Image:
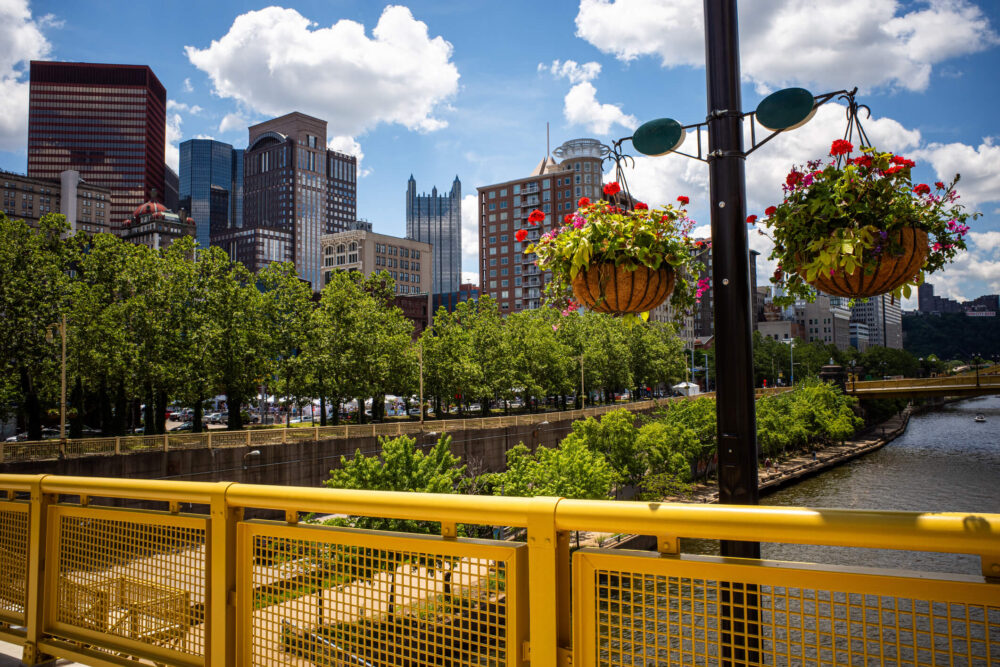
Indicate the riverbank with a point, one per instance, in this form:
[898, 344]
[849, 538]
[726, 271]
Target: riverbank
[802, 465]
[789, 471]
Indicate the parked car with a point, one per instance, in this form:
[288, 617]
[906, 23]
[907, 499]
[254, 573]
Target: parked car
[187, 426]
[214, 418]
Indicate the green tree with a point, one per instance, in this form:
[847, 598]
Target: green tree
[401, 466]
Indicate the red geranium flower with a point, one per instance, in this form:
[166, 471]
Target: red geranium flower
[863, 160]
[639, 206]
[683, 200]
[770, 210]
[536, 216]
[902, 161]
[922, 189]
[751, 219]
[939, 185]
[895, 169]
[521, 234]
[793, 178]
[841, 147]
[583, 202]
[612, 188]
[568, 218]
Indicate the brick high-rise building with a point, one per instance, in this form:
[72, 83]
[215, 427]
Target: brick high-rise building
[294, 191]
[505, 272]
[107, 122]
[437, 219]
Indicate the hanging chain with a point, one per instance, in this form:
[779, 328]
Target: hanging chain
[624, 198]
[854, 122]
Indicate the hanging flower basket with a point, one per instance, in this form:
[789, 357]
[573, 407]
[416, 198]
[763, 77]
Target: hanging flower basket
[607, 288]
[858, 227]
[889, 272]
[617, 260]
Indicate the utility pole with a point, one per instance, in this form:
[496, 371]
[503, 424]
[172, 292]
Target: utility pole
[420, 357]
[61, 326]
[583, 396]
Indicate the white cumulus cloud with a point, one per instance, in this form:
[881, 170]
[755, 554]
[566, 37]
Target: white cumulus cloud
[570, 69]
[174, 135]
[275, 60]
[21, 40]
[174, 105]
[581, 107]
[349, 145]
[188, 88]
[233, 122]
[978, 166]
[869, 43]
[470, 238]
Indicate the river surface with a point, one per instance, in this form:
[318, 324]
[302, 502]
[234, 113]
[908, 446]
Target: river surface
[945, 462]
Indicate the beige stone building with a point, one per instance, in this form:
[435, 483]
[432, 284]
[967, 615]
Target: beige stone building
[87, 206]
[406, 260]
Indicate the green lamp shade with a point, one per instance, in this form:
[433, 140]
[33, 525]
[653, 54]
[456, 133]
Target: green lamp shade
[786, 109]
[658, 137]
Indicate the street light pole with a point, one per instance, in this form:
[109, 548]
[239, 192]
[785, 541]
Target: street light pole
[736, 421]
[61, 326]
[420, 357]
[583, 396]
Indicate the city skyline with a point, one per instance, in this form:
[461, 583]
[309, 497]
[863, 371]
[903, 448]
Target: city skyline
[444, 100]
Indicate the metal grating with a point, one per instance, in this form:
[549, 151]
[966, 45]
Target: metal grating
[128, 580]
[320, 595]
[678, 612]
[13, 560]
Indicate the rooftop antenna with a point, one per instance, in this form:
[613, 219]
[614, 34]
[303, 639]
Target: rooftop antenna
[547, 153]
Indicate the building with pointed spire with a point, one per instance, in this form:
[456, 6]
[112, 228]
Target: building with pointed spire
[437, 219]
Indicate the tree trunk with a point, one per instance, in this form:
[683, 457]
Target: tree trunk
[104, 408]
[76, 423]
[32, 407]
[196, 416]
[148, 421]
[161, 411]
[235, 405]
[120, 422]
[322, 408]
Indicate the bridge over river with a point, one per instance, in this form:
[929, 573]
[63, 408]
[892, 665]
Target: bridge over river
[957, 385]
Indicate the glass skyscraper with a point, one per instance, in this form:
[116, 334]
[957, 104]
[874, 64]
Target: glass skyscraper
[437, 219]
[211, 186]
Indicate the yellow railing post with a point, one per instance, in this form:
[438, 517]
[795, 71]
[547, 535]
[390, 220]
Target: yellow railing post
[166, 442]
[315, 432]
[548, 577]
[118, 445]
[35, 594]
[220, 617]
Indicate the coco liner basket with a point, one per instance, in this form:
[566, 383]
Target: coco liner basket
[890, 272]
[607, 288]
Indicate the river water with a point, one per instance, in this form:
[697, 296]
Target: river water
[945, 462]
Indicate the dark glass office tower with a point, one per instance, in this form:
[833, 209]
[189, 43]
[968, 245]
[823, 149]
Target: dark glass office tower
[437, 219]
[211, 186]
[107, 122]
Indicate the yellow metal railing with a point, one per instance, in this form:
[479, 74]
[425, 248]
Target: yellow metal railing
[108, 572]
[36, 450]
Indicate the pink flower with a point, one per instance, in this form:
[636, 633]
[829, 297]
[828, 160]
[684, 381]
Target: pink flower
[579, 221]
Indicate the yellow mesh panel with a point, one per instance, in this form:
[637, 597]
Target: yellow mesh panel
[13, 560]
[341, 597]
[635, 612]
[134, 576]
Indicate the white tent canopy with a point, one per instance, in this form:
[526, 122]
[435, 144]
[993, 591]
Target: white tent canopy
[687, 388]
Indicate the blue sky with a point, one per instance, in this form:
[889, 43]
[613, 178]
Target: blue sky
[443, 88]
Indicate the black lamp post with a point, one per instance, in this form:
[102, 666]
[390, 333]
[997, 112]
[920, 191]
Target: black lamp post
[854, 375]
[975, 360]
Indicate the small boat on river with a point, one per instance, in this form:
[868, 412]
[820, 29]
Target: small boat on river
[980, 417]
